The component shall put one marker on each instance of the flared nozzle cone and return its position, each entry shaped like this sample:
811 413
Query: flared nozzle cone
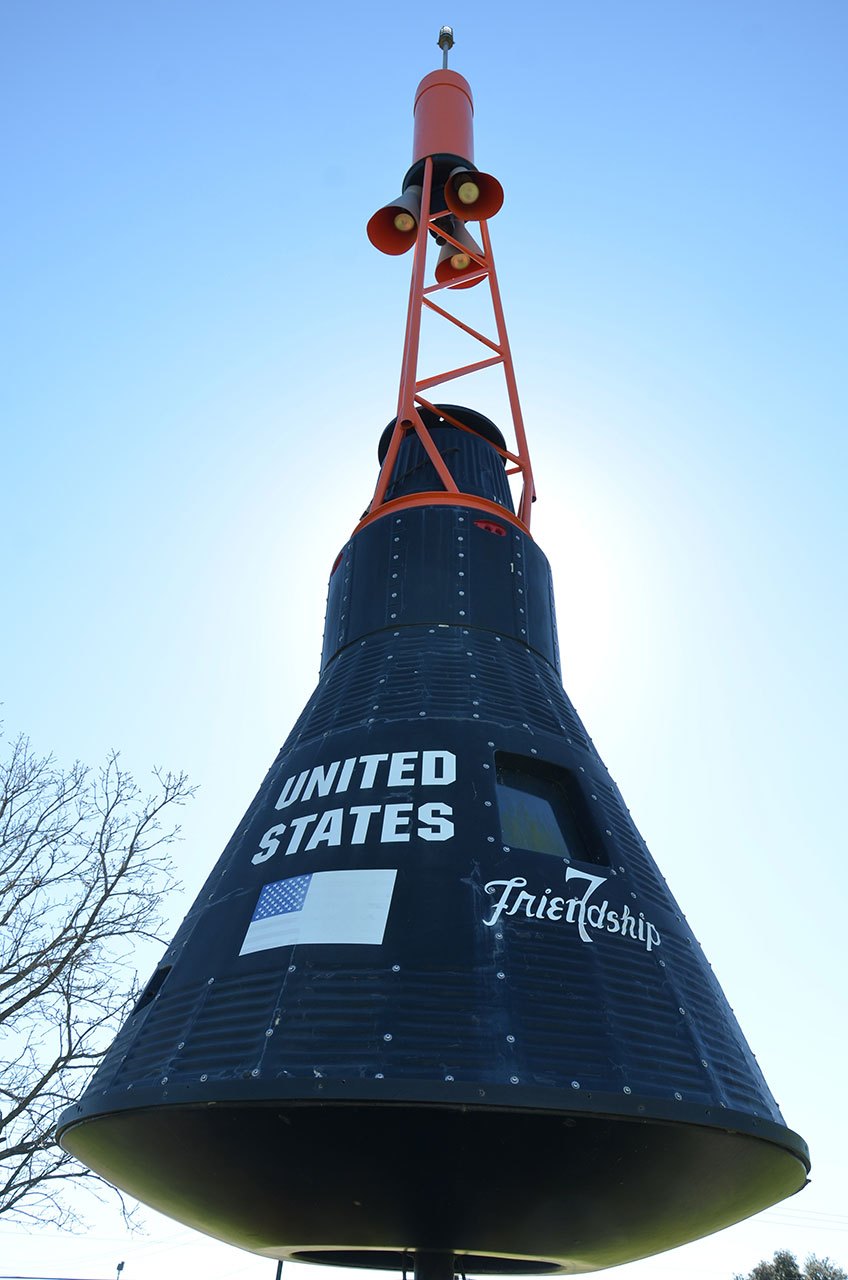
393 228
473 196
456 263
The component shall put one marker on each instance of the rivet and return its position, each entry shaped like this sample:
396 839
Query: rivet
499 937
501 974
394 593
270 1031
662 964
181 1045
513 1079
487 803
580 767
292 968
681 1010
497 639
255 1072
468 653
475 715
510 1039
594 797
395 968
609 833
459 538
679 1097
210 981
164 1080
462 593
486 766
575 1084
627 1089
533 751
422 713
462 613
204 1078
379 1076
449 1077
387 1036
491 839
393 615
475 702
704 1062
505 848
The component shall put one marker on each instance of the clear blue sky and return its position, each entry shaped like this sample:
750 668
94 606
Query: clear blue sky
200 348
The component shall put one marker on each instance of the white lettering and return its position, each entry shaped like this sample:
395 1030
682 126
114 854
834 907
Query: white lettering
321 779
292 788
394 818
515 898
402 768
298 826
369 771
594 882
328 831
437 816
517 882
364 814
438 768
346 774
270 843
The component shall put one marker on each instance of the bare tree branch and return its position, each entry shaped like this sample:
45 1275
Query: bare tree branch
84 866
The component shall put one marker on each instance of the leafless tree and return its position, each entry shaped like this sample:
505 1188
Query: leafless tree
84 865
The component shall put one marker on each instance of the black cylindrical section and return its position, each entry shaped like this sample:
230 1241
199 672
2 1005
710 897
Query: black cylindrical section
434 1266
476 467
491 575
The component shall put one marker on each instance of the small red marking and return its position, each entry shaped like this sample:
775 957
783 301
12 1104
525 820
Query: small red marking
489 526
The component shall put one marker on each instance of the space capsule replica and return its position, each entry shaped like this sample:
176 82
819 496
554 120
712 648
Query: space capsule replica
435 1005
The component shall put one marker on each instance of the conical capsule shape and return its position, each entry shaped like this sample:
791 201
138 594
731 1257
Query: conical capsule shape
436 995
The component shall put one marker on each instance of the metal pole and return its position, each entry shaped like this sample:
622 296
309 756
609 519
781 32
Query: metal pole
434 1266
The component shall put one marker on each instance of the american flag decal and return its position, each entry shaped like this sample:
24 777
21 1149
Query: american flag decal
349 907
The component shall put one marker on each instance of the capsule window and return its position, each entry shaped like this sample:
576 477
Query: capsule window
542 808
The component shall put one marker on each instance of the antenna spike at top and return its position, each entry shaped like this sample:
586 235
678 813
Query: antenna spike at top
445 42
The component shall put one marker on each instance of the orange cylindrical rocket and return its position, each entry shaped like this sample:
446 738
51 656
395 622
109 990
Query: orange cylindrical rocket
444 133
444 117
